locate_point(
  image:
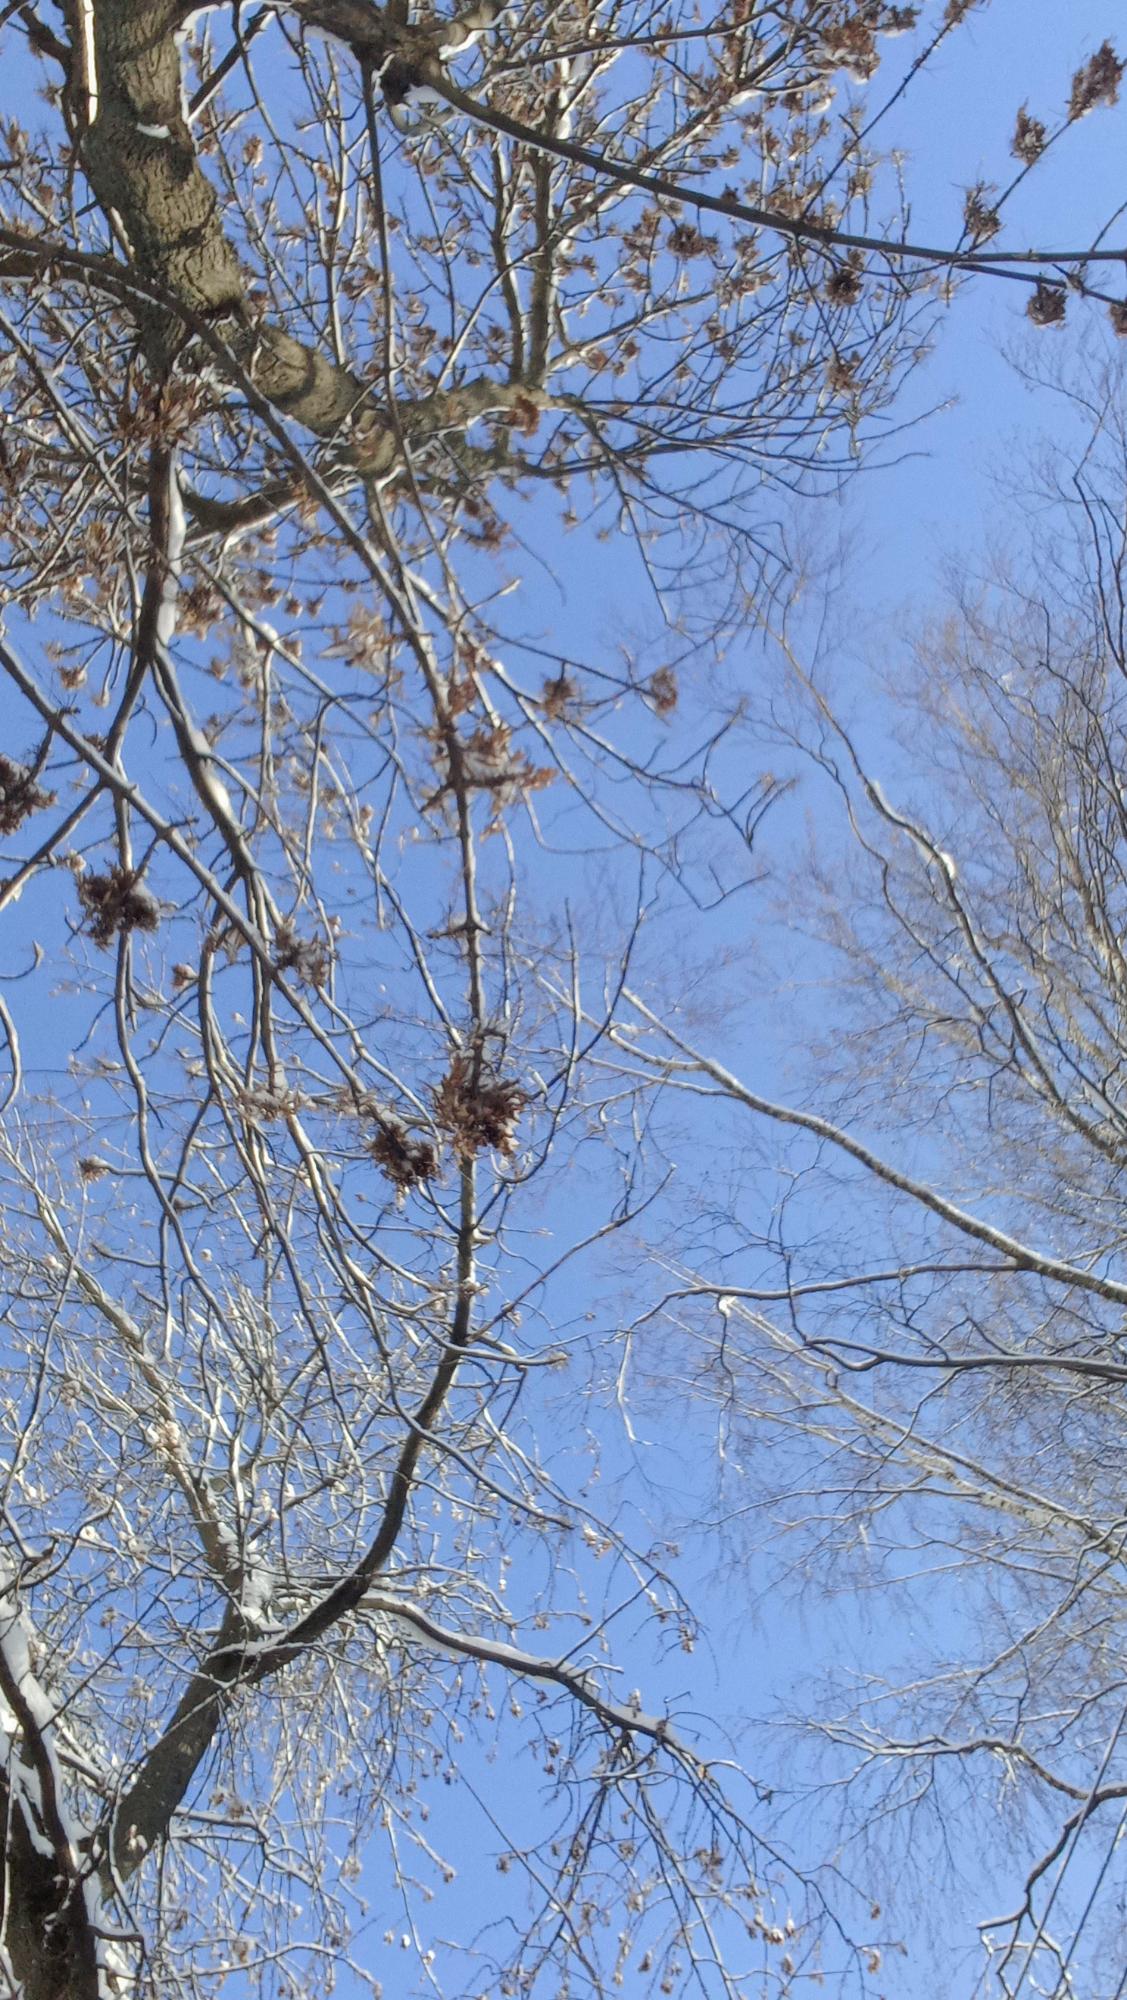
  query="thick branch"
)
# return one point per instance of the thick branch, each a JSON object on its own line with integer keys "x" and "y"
{"x": 46, "y": 1921}
{"x": 574, "y": 1681}
{"x": 144, "y": 1812}
{"x": 140, "y": 157}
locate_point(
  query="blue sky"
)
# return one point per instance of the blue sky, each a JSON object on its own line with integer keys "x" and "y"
{"x": 954, "y": 126}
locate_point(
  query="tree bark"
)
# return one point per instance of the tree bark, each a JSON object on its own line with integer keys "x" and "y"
{"x": 127, "y": 104}
{"x": 50, "y": 1947}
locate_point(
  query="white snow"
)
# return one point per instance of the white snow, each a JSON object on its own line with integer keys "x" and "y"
{"x": 89, "y": 58}
{"x": 174, "y": 554}
{"x": 258, "y": 1590}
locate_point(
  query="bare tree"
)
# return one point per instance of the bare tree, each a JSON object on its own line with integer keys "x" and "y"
{"x": 323, "y": 324}
{"x": 918, "y": 1360}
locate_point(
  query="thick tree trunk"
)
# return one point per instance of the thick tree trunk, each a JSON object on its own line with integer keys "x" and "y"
{"x": 48, "y": 1940}
{"x": 127, "y": 99}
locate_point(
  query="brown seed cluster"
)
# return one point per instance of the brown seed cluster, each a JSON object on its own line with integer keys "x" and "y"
{"x": 850, "y": 45}
{"x": 842, "y": 374}
{"x": 310, "y": 958}
{"x": 486, "y": 760}
{"x": 1047, "y": 304}
{"x": 524, "y": 416}
{"x": 115, "y": 904}
{"x": 558, "y": 695}
{"x": 406, "y": 1160}
{"x": 1096, "y": 82}
{"x": 843, "y": 286}
{"x": 20, "y": 796}
{"x": 662, "y": 691}
{"x": 686, "y": 241}
{"x": 980, "y": 218}
{"x": 478, "y": 1110}
{"x": 1030, "y": 137}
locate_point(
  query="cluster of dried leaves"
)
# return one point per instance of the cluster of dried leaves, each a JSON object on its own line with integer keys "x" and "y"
{"x": 115, "y": 904}
{"x": 20, "y": 795}
{"x": 477, "y": 1109}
